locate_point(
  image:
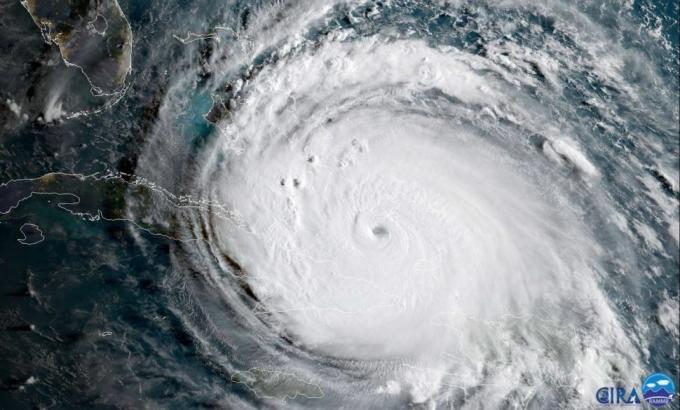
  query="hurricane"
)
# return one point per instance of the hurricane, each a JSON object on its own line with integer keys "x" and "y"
{"x": 403, "y": 204}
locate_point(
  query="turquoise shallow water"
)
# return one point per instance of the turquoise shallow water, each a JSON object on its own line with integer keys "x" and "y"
{"x": 128, "y": 278}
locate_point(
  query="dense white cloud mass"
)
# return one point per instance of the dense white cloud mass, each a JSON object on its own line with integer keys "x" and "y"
{"x": 437, "y": 219}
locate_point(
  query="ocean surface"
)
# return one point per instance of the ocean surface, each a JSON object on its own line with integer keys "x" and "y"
{"x": 337, "y": 204}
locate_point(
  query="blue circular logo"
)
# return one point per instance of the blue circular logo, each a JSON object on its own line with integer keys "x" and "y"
{"x": 602, "y": 395}
{"x": 658, "y": 389}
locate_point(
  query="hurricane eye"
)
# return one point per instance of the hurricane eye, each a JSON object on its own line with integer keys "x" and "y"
{"x": 380, "y": 231}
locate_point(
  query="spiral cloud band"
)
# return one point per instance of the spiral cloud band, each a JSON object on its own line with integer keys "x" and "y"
{"x": 423, "y": 218}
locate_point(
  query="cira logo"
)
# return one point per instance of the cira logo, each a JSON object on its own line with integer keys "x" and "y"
{"x": 617, "y": 395}
{"x": 658, "y": 390}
